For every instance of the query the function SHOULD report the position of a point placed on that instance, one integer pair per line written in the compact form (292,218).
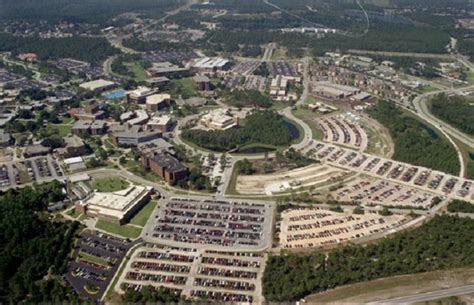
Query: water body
(115,94)
(294,132)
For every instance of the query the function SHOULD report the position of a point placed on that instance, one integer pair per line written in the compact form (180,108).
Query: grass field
(184,87)
(137,70)
(93,259)
(111,184)
(137,168)
(126,231)
(309,118)
(142,216)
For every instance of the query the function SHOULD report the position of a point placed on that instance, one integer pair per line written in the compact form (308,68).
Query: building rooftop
(116,204)
(169,162)
(73,141)
(96,84)
(157,98)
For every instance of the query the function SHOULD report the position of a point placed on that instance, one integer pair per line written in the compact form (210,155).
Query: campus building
(116,207)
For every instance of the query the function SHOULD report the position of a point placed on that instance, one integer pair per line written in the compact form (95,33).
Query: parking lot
(212,224)
(38,169)
(317,227)
(341,131)
(245,67)
(232,82)
(255,82)
(415,176)
(6,77)
(96,259)
(196,273)
(281,68)
(370,192)
(171,56)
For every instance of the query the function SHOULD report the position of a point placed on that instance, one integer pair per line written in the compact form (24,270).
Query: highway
(422,110)
(428,296)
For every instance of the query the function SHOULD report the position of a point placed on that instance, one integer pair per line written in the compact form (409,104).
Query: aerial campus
(251,151)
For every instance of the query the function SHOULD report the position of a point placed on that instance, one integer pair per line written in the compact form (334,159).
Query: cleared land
(396,286)
(305,177)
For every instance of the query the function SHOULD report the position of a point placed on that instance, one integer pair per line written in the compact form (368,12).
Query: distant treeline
(90,49)
(84,11)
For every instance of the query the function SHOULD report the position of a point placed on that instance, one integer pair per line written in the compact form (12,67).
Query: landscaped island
(261,128)
(416,142)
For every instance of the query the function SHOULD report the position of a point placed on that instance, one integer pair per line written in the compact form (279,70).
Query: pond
(115,94)
(255,150)
(294,131)
(260,149)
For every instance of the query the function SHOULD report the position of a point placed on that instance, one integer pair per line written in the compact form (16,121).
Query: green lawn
(137,168)
(470,77)
(126,231)
(184,87)
(427,89)
(309,117)
(93,259)
(111,184)
(137,70)
(142,216)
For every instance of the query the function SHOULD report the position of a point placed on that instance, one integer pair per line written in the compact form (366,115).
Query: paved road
(422,109)
(428,296)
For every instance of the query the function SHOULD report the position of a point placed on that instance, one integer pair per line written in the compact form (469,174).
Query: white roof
(157,98)
(140,91)
(160,120)
(116,204)
(96,84)
(74,160)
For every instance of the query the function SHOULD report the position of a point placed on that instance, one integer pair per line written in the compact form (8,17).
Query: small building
(139,95)
(36,150)
(157,102)
(209,65)
(158,82)
(134,135)
(162,123)
(166,166)
(116,207)
(90,112)
(74,146)
(28,57)
(201,83)
(137,117)
(219,120)
(5,138)
(99,85)
(167,69)
(87,128)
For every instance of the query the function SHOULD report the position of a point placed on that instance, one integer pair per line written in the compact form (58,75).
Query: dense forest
(444,242)
(456,111)
(383,37)
(260,127)
(415,142)
(32,246)
(90,49)
(460,206)
(87,11)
